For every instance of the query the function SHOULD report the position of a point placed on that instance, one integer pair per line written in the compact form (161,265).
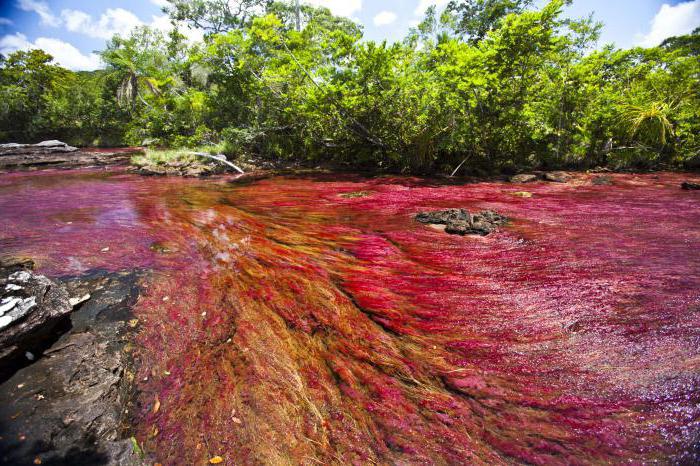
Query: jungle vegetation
(499,84)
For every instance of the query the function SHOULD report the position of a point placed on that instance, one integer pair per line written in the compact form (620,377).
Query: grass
(165,157)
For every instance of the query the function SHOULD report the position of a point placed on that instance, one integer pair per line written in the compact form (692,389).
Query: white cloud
(64,53)
(384,18)
(120,21)
(13,42)
(5,22)
(113,21)
(338,7)
(160,3)
(425,4)
(67,55)
(671,21)
(42,9)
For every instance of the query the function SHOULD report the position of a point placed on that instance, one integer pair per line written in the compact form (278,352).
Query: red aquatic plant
(291,320)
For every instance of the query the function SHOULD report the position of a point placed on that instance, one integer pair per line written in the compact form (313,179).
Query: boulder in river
(461,222)
(524,178)
(688,186)
(557,177)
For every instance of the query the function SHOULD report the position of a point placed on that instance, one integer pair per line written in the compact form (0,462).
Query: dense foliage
(494,82)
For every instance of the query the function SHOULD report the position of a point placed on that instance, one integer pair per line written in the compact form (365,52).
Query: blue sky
(72,30)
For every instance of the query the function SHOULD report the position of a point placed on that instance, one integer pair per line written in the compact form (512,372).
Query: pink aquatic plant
(291,321)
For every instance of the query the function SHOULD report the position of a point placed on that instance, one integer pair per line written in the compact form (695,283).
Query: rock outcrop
(42,148)
(56,154)
(557,177)
(688,186)
(461,222)
(67,396)
(554,177)
(30,307)
(187,169)
(524,178)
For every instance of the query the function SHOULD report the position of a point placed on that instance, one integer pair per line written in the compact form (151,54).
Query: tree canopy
(499,83)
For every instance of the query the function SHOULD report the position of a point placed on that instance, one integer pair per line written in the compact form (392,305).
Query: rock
(58,154)
(602,181)
(461,222)
(688,186)
(44,147)
(186,169)
(30,307)
(443,217)
(57,145)
(12,264)
(557,177)
(72,402)
(525,194)
(524,178)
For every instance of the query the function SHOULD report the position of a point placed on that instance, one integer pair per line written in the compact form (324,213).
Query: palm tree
(130,87)
(131,59)
(649,120)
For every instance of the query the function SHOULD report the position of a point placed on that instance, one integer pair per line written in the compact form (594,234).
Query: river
(312,320)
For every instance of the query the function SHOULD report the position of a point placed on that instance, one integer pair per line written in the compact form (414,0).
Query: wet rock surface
(688,186)
(56,154)
(461,222)
(30,307)
(69,403)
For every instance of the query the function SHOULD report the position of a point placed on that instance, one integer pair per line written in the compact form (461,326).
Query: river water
(311,320)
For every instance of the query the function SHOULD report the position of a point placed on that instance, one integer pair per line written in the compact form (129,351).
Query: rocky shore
(57,154)
(65,374)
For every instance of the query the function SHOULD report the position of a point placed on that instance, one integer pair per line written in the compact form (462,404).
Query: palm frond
(650,121)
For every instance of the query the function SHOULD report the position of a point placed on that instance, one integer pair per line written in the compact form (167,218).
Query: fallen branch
(459,166)
(219,158)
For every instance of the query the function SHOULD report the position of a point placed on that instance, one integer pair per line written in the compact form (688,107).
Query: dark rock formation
(461,222)
(56,154)
(30,307)
(557,177)
(70,403)
(688,186)
(524,178)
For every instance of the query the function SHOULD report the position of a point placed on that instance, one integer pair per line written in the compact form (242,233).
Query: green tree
(476,18)
(215,16)
(28,82)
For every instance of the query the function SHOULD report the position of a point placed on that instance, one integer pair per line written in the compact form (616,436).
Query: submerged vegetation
(496,83)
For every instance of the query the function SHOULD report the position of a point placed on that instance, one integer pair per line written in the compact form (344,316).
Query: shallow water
(288,322)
